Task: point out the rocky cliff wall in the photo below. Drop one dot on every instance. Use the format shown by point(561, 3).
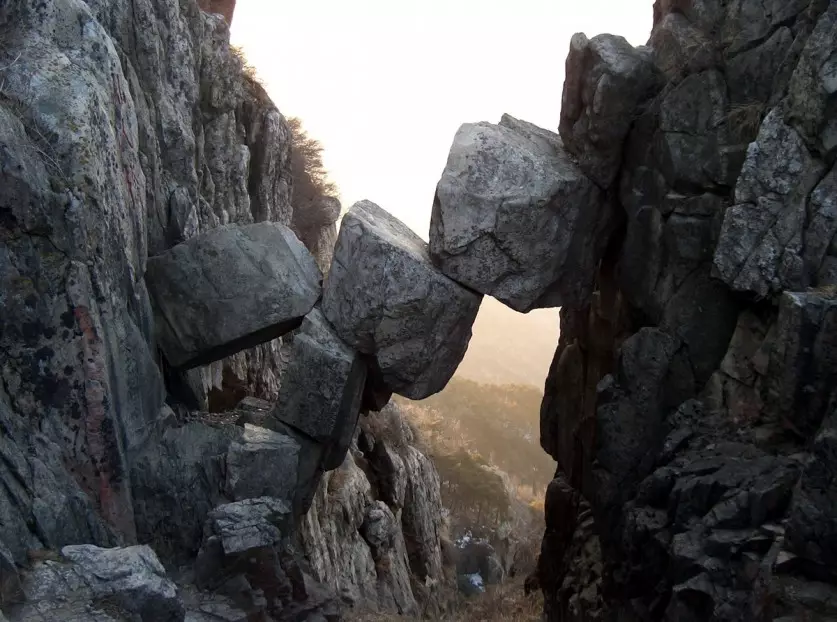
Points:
point(690, 404)
point(374, 530)
point(126, 127)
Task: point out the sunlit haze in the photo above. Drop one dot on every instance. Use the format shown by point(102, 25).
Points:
point(384, 84)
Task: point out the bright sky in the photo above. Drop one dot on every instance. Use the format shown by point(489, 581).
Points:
point(384, 84)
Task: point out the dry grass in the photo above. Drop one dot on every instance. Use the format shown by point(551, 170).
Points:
point(502, 603)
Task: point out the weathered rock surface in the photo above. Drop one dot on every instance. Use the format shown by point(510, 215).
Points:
point(90, 583)
point(373, 531)
point(386, 299)
point(690, 403)
point(322, 388)
point(247, 544)
point(606, 79)
point(140, 132)
point(229, 289)
point(516, 219)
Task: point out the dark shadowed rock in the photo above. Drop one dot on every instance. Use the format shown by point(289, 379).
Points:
point(322, 388)
point(803, 364)
point(385, 298)
point(606, 79)
point(516, 219)
point(812, 530)
point(230, 289)
point(176, 482)
point(262, 463)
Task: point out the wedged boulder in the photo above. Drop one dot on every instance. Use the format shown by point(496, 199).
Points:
point(230, 289)
point(606, 79)
point(86, 580)
point(386, 299)
point(322, 388)
point(516, 219)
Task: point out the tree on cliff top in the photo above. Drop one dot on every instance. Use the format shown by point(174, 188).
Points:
point(310, 176)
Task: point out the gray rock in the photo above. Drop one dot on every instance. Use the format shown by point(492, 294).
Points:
point(261, 463)
point(322, 388)
point(176, 483)
point(230, 289)
point(761, 242)
point(811, 93)
point(385, 298)
point(812, 529)
point(512, 214)
point(799, 384)
point(250, 524)
point(11, 590)
point(606, 80)
point(131, 578)
point(680, 47)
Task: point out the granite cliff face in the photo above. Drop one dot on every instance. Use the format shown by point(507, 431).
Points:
point(690, 402)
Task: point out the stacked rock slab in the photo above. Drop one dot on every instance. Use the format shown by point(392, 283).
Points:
point(691, 399)
point(385, 298)
point(322, 388)
point(229, 289)
point(515, 218)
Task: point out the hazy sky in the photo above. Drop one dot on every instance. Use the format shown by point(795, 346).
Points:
point(384, 84)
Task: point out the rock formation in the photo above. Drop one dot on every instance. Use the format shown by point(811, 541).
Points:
point(516, 219)
point(684, 219)
point(687, 404)
point(228, 289)
point(385, 298)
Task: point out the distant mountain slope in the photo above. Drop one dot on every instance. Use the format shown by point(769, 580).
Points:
point(510, 347)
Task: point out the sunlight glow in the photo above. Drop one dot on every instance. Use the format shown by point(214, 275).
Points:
point(384, 84)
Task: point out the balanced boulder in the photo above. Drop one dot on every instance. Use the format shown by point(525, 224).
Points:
point(230, 289)
point(385, 298)
point(516, 219)
point(322, 388)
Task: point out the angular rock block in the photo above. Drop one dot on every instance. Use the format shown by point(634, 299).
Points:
point(322, 389)
point(800, 388)
point(230, 289)
point(385, 298)
point(516, 219)
point(761, 248)
point(262, 463)
point(131, 579)
point(607, 78)
point(250, 524)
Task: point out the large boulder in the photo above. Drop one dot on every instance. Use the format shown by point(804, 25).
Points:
point(607, 78)
point(87, 581)
point(229, 289)
point(516, 219)
point(322, 388)
point(385, 298)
